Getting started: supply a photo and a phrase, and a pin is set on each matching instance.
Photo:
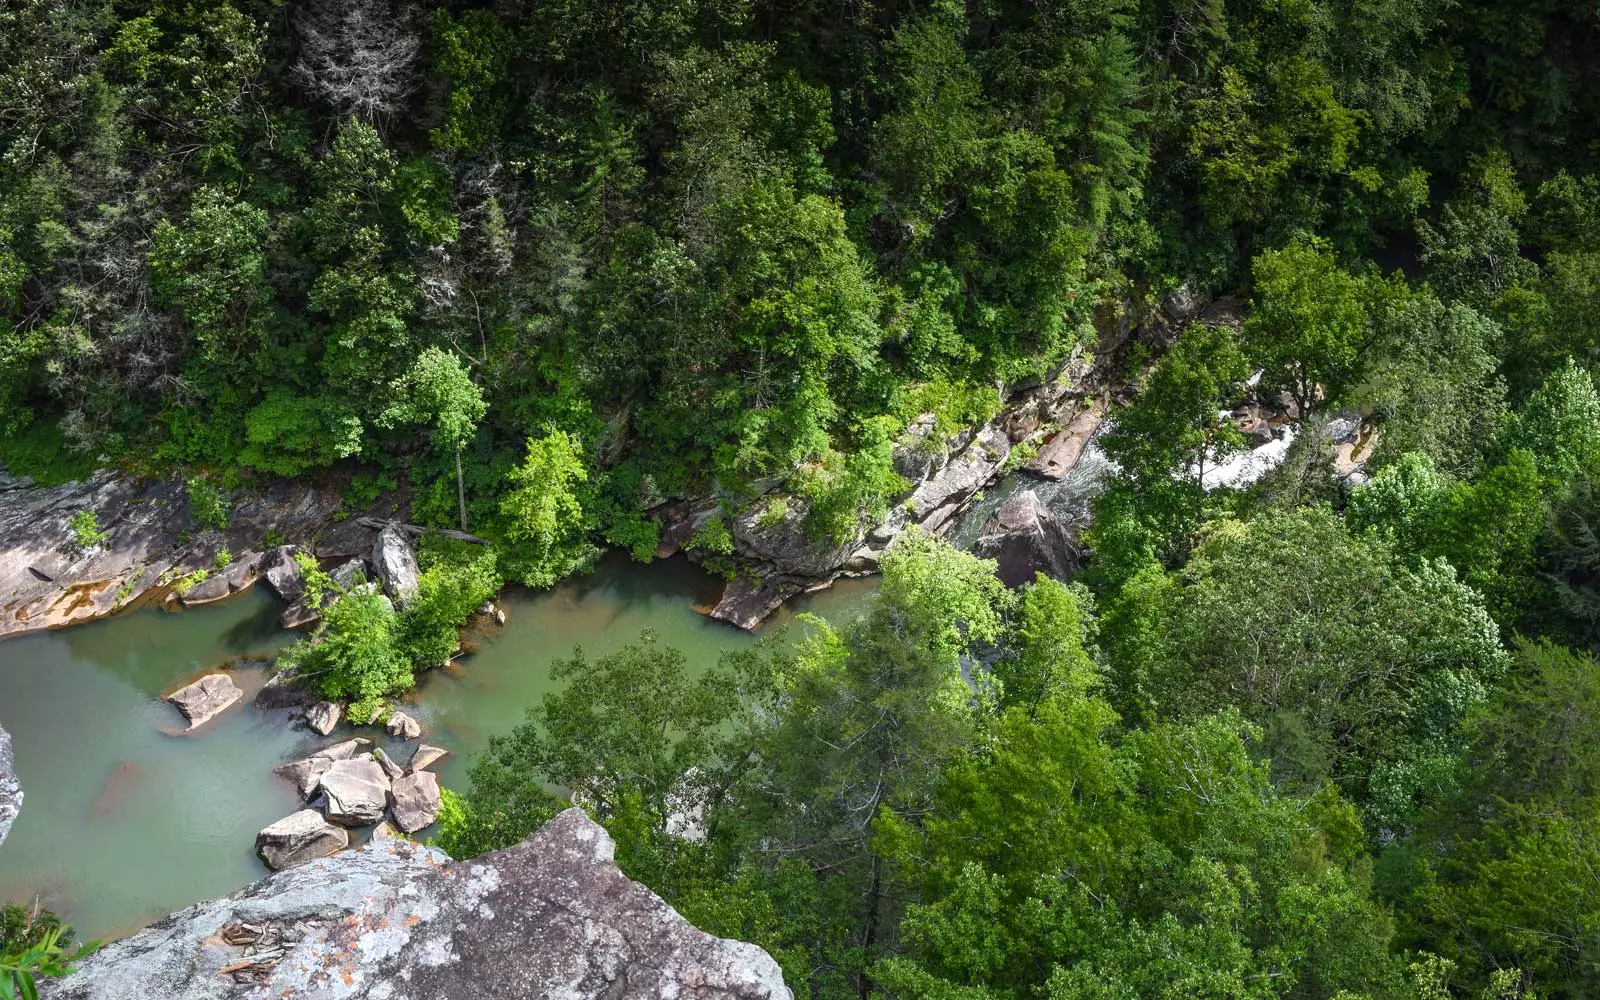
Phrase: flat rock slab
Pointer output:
(299, 837)
(746, 604)
(357, 791)
(551, 917)
(414, 800)
(205, 698)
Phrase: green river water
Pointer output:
(123, 822)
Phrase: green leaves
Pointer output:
(542, 517)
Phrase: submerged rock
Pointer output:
(297, 838)
(357, 791)
(550, 917)
(395, 563)
(1025, 537)
(10, 787)
(414, 800)
(205, 698)
(323, 716)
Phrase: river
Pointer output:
(123, 822)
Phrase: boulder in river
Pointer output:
(395, 563)
(404, 726)
(414, 800)
(306, 774)
(298, 837)
(323, 716)
(282, 692)
(550, 917)
(205, 698)
(1025, 537)
(390, 768)
(357, 791)
(10, 787)
(383, 831)
(282, 573)
(425, 756)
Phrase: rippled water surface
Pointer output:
(123, 822)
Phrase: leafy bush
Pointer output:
(85, 525)
(456, 578)
(356, 653)
(207, 506)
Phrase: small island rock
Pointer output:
(205, 698)
(404, 726)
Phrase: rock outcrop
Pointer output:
(47, 580)
(1025, 537)
(282, 573)
(395, 564)
(299, 837)
(205, 698)
(550, 917)
(10, 787)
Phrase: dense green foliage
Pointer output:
(34, 944)
(555, 262)
(709, 240)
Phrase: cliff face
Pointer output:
(552, 917)
(10, 788)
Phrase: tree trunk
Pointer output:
(461, 491)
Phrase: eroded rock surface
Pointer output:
(550, 917)
(205, 698)
(10, 787)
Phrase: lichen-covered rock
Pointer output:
(205, 698)
(357, 791)
(551, 917)
(299, 837)
(414, 800)
(10, 787)
(395, 563)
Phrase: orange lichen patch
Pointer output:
(80, 594)
(411, 921)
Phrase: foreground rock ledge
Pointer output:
(551, 917)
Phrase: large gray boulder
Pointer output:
(357, 791)
(550, 917)
(1025, 537)
(395, 563)
(414, 800)
(306, 774)
(205, 698)
(323, 716)
(299, 837)
(10, 787)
